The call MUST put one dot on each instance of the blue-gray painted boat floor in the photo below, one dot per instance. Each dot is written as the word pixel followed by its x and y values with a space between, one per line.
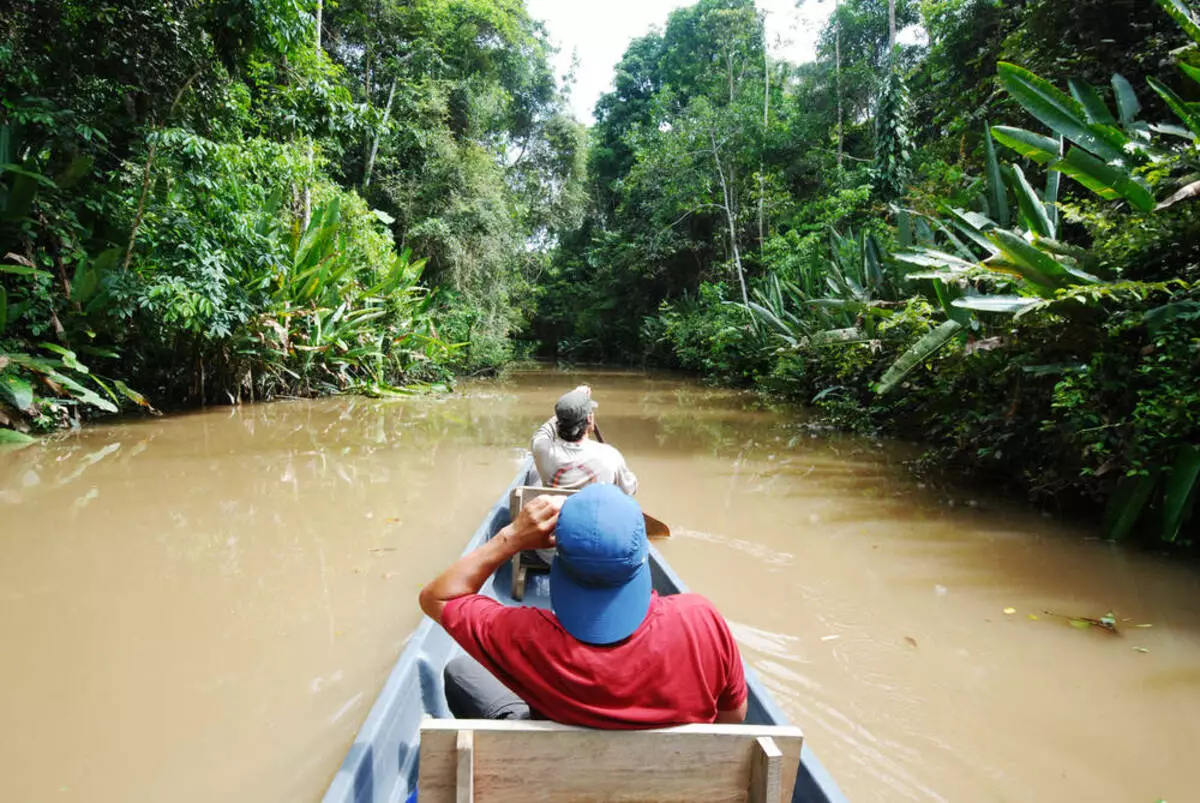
pixel 381 765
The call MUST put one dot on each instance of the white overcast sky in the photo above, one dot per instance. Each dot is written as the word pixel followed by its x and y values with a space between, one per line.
pixel 598 31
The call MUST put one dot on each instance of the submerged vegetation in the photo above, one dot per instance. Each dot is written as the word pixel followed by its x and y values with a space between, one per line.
pixel 969 221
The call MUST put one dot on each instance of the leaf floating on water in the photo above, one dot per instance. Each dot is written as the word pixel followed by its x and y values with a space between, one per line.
pixel 911 640
pixel 1140 649
pixel 1009 611
pixel 1143 625
pixel 829 638
pixel 1107 623
pixel 1033 617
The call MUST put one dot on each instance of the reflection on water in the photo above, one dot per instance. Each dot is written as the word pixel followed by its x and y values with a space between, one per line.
pixel 204 606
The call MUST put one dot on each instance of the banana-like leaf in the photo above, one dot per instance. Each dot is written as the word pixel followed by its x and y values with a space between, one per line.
pixel 1183 16
pixel 1053 182
pixel 1093 105
pixel 1031 263
pixel 1180 485
pixel 1008 304
pixel 916 354
pixel 1126 504
pixel 932 258
pixel 960 247
pixel 1182 110
pixel 1190 71
pixel 1040 149
pixel 936 275
pixel 1033 211
pixel 1173 130
pixel 1108 182
pixel 997 196
pixel 1061 113
pixel 974 227
pixel 781 329
pixel 1128 105
pixel 946 295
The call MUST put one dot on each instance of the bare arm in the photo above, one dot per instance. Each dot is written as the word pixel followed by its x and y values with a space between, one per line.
pixel 734 717
pixel 533 529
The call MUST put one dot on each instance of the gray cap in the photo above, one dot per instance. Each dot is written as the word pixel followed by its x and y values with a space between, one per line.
pixel 573 408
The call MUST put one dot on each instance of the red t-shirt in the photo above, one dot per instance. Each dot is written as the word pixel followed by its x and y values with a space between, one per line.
pixel 681 665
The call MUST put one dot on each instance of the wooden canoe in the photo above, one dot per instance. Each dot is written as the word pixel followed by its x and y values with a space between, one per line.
pixel 381 764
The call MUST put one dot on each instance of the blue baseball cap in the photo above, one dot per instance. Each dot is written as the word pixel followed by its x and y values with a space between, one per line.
pixel 600 577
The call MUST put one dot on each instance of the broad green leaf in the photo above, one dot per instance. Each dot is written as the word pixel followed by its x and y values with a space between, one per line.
pixel 3 310
pixel 1190 71
pixel 22 270
pixel 1040 149
pixel 1183 16
pixel 920 351
pixel 1033 211
pixel 973 226
pixel 937 275
pixel 1179 487
pixel 1061 113
pixel 931 258
pixel 1128 106
pixel 1009 304
pixel 1173 130
pixel 1093 105
pixel 1126 504
pixel 1053 182
pixel 10 438
pixel 1108 182
pixel 16 390
pixel 1182 110
pixel 946 294
pixel 1031 263
pixel 997 197
pixel 69 359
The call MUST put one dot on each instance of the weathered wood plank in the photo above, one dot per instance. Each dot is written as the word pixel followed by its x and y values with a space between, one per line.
pixel 465 749
pixel 515 762
pixel 765 771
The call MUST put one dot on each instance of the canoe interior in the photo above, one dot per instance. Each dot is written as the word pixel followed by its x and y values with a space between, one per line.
pixel 381 765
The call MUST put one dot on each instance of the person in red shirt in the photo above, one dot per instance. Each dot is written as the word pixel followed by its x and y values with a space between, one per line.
pixel 612 654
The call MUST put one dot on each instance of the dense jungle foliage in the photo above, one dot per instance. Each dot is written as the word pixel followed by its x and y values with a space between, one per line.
pixel 968 221
pixel 218 200
pixel 986 240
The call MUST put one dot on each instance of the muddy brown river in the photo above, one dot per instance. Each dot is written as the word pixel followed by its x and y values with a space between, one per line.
pixel 203 607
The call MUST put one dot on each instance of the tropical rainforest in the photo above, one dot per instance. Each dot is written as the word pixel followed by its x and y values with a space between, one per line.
pixel 971 222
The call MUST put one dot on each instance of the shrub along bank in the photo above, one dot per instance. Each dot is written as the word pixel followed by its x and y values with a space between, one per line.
pixel 1025 297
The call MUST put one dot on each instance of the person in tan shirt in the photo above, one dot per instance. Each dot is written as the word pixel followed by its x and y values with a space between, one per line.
pixel 567 457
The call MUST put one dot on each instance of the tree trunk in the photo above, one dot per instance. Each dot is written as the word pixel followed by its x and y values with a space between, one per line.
pixel 762 153
pixel 837 69
pixel 375 145
pixel 891 29
pixel 312 157
pixel 727 195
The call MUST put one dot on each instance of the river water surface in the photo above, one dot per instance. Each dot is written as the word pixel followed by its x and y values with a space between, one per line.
pixel 203 607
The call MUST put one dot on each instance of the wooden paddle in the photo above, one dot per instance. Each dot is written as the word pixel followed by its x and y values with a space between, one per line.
pixel 654 527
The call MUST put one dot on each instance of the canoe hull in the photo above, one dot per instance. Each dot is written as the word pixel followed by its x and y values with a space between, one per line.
pixel 381 764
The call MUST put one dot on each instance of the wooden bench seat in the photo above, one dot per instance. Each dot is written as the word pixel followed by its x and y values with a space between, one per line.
pixel 513 761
